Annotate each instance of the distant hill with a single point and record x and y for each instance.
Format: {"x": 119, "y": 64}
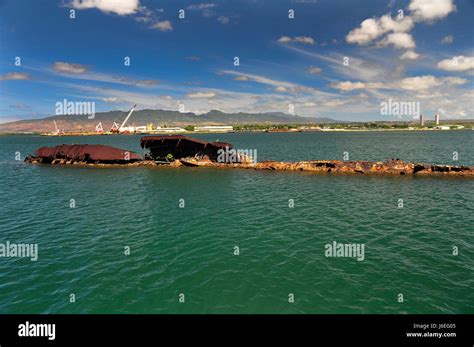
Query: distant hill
{"x": 157, "y": 117}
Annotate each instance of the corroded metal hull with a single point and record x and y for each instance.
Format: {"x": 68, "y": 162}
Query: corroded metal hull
{"x": 389, "y": 167}
{"x": 179, "y": 146}
{"x": 203, "y": 155}
{"x": 87, "y": 154}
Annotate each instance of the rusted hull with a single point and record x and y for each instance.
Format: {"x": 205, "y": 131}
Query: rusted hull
{"x": 87, "y": 154}
{"x": 99, "y": 155}
{"x": 390, "y": 167}
{"x": 179, "y": 146}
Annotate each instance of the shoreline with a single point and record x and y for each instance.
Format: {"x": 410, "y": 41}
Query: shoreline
{"x": 233, "y": 132}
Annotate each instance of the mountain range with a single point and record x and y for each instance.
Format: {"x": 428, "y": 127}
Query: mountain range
{"x": 158, "y": 117}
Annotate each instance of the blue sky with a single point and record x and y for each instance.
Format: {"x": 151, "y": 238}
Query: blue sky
{"x": 426, "y": 55}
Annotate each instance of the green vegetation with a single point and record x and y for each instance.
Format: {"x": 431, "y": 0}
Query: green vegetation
{"x": 251, "y": 127}
{"x": 396, "y": 125}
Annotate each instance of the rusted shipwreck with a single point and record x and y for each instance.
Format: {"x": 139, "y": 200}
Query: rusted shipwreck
{"x": 83, "y": 154}
{"x": 173, "y": 147}
{"x": 178, "y": 150}
{"x": 389, "y": 167}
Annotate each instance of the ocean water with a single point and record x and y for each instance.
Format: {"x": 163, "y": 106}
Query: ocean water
{"x": 190, "y": 250}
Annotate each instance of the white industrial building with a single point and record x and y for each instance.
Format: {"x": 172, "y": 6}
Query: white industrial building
{"x": 215, "y": 128}
{"x": 171, "y": 130}
{"x": 133, "y": 129}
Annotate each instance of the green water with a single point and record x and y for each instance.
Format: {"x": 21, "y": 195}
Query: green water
{"x": 190, "y": 250}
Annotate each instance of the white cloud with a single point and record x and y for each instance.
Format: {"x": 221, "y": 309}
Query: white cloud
{"x": 398, "y": 30}
{"x": 336, "y": 103}
{"x": 279, "y": 86}
{"x": 202, "y": 6}
{"x": 458, "y": 63}
{"x": 409, "y": 55}
{"x": 399, "y": 40}
{"x": 69, "y": 68}
{"x": 112, "y": 100}
{"x": 120, "y": 7}
{"x": 206, "y": 9}
{"x": 350, "y": 86}
{"x": 427, "y": 82}
{"x": 284, "y": 39}
{"x": 201, "y": 95}
{"x": 430, "y": 10}
{"x": 301, "y": 39}
{"x": 454, "y": 80}
{"x": 127, "y": 7}
{"x": 417, "y": 83}
{"x": 223, "y": 19}
{"x": 144, "y": 82}
{"x": 241, "y": 78}
{"x": 162, "y": 26}
{"x": 14, "y": 76}
{"x": 314, "y": 70}
{"x": 403, "y": 25}
{"x": 260, "y": 79}
{"x": 81, "y": 72}
{"x": 343, "y": 106}
{"x": 281, "y": 89}
{"x": 225, "y": 100}
{"x": 447, "y": 39}
{"x": 373, "y": 28}
{"x": 368, "y": 31}
{"x": 372, "y": 67}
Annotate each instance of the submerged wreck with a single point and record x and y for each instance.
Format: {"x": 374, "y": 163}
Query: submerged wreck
{"x": 169, "y": 148}
{"x": 179, "y": 150}
{"x": 83, "y": 154}
{"x": 389, "y": 167}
